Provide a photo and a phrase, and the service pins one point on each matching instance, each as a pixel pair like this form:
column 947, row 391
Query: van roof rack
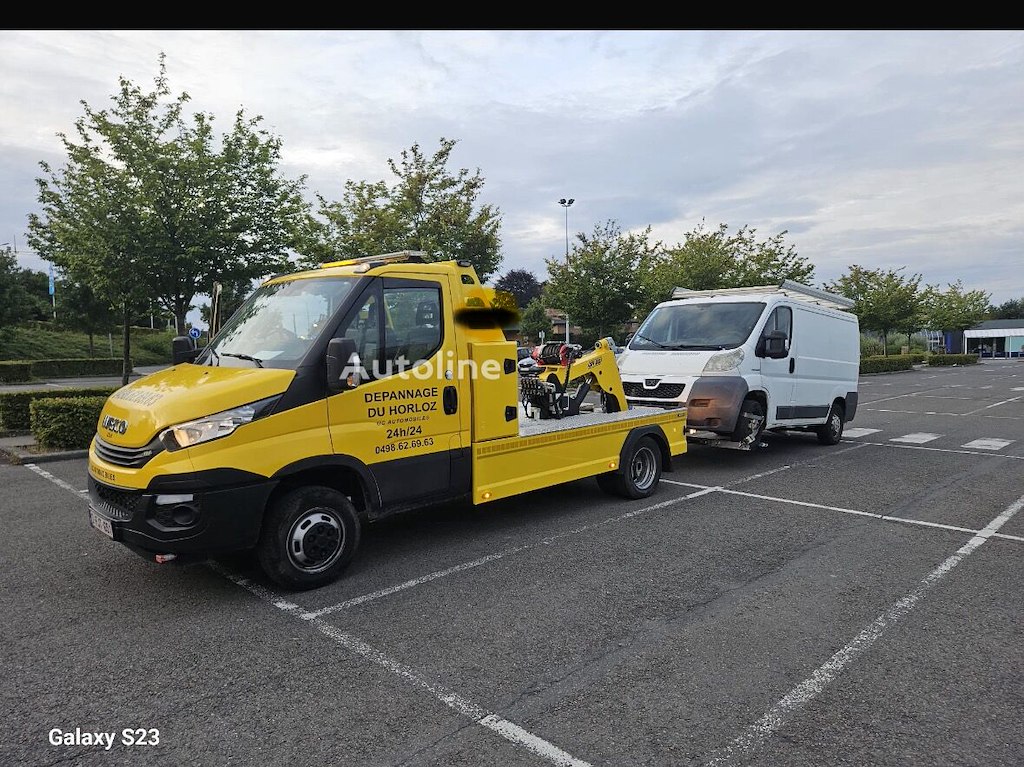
column 410, row 256
column 788, row 288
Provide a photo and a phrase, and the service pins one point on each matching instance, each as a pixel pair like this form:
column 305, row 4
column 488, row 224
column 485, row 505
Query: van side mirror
column 773, row 344
column 183, row 350
column 343, row 366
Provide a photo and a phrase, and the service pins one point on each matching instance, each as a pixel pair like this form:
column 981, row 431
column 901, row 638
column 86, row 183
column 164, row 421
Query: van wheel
column 309, row 536
column 750, row 408
column 832, row 432
column 639, row 475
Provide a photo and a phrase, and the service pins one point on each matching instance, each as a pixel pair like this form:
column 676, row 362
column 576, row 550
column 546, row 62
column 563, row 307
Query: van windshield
column 278, row 323
column 697, row 326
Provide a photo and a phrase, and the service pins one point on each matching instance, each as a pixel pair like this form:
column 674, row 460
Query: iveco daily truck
column 336, row 396
column 744, row 361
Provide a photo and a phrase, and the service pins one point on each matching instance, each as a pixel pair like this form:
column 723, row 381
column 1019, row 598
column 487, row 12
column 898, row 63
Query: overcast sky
column 884, row 149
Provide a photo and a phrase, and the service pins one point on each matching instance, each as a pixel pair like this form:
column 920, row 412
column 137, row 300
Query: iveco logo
column 115, row 425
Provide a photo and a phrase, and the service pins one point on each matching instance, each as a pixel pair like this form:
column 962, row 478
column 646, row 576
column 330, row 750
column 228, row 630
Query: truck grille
column 113, row 502
column 132, row 457
column 661, row 391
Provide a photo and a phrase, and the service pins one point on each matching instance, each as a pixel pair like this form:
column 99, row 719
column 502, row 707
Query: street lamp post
column 565, row 204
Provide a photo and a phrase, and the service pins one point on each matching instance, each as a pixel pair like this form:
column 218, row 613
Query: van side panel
column 827, row 362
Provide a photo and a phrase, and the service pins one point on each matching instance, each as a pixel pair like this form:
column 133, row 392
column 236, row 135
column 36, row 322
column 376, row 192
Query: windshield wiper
column 659, row 344
column 249, row 357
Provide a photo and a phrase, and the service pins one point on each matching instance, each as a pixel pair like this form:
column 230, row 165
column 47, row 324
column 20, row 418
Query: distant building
column 992, row 338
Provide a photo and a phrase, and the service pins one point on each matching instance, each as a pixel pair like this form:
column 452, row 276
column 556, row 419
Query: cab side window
column 364, row 328
column 413, row 322
column 781, row 318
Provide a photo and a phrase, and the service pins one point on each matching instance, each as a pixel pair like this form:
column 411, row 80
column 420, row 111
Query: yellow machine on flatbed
column 336, row 396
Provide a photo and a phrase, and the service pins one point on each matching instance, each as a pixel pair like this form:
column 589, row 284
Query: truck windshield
column 697, row 326
column 278, row 323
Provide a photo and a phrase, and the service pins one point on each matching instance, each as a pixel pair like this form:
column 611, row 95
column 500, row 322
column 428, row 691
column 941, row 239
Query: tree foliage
column 534, row 320
column 1008, row 310
column 83, row 310
column 13, row 299
column 428, row 208
column 706, row 259
column 954, row 308
column 151, row 203
column 886, row 299
column 597, row 285
column 521, row 284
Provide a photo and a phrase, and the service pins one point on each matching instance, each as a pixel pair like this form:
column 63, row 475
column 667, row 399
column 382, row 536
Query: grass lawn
column 32, row 343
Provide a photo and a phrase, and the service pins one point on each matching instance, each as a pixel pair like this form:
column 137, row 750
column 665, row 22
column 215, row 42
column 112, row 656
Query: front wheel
column 309, row 536
column 832, row 432
column 639, row 474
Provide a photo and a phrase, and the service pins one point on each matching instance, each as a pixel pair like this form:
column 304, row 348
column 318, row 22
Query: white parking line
column 858, row 432
column 944, row 450
column 503, row 727
column 994, row 404
column 988, row 443
column 813, row 685
column 917, row 438
column 55, row 480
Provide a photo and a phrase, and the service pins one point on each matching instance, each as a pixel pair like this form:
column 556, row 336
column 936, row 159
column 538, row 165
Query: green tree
column 37, row 302
column 13, row 299
column 534, row 320
column 596, row 286
column 886, row 299
column 706, row 259
column 954, row 308
column 428, row 208
column 83, row 310
column 521, row 284
column 1008, row 310
column 197, row 208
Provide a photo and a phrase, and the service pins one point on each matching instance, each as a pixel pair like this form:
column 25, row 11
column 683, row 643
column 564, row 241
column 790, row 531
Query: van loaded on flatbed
column 336, row 396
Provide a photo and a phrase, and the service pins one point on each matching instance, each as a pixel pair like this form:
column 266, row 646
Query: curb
column 19, row 456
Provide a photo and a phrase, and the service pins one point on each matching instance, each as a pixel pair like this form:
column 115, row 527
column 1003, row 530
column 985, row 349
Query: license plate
column 101, row 524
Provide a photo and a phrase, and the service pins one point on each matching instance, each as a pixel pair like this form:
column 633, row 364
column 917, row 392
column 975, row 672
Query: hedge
column 886, row 364
column 15, row 372
column 96, row 366
column 65, row 423
column 939, row 360
column 15, row 412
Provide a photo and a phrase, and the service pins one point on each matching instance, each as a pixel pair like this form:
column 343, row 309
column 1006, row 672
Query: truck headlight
column 720, row 363
column 215, row 426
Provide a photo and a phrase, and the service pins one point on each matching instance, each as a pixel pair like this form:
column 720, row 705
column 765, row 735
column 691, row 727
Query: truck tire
column 639, row 475
column 309, row 537
column 832, row 432
column 750, row 407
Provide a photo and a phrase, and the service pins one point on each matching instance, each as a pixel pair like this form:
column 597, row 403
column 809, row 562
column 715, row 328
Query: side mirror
column 773, row 344
column 183, row 350
column 343, row 366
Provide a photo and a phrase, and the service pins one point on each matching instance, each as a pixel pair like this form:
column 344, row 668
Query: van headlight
column 720, row 363
column 215, row 426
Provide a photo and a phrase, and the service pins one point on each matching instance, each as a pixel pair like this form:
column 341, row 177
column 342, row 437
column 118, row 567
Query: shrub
column 96, row 366
column 886, row 364
column 939, row 360
column 15, row 413
column 15, row 372
column 65, row 423
column 916, row 357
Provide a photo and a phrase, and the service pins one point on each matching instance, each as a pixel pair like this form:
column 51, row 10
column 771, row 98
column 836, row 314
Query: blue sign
column 194, row 332
column 51, row 280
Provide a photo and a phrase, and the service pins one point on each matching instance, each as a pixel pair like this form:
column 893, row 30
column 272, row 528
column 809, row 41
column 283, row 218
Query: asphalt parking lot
column 804, row 605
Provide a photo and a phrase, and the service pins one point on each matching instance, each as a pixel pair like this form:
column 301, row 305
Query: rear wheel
column 639, row 474
column 832, row 432
column 309, row 536
column 750, row 423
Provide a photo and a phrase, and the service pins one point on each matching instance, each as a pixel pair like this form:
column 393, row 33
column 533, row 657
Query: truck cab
column 336, row 396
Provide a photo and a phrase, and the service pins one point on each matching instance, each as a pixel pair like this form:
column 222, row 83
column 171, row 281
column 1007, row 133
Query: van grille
column 661, row 391
column 113, row 502
column 132, row 457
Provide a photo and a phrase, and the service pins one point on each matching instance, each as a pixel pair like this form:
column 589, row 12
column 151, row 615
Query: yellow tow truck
column 336, row 396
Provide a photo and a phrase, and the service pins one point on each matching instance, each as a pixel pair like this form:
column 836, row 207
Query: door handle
column 450, row 400
column 792, row 364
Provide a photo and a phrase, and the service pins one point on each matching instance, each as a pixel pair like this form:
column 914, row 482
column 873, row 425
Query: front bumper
column 712, row 402
column 189, row 519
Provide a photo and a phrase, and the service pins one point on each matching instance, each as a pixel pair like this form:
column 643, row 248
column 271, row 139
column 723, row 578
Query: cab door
column 404, row 416
column 777, row 375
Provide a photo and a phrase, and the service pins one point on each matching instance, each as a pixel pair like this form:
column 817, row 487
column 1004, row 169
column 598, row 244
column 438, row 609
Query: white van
column 746, row 360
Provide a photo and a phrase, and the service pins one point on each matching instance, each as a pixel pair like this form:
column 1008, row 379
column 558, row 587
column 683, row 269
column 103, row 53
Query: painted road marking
column 917, row 438
column 812, row 686
column 854, row 433
column 994, row 404
column 945, row 450
column 988, row 443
